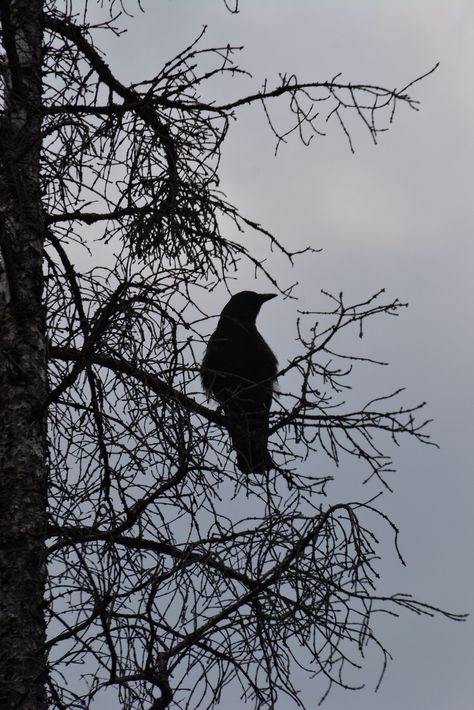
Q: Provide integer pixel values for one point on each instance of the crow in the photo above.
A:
(239, 371)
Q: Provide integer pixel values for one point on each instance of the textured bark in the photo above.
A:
(22, 365)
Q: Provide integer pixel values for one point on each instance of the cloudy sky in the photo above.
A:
(398, 215)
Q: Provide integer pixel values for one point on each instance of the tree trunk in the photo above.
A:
(22, 365)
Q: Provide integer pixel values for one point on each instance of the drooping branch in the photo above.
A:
(76, 34)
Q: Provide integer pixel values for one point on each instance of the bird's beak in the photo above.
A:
(267, 296)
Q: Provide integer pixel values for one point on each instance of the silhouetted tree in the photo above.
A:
(170, 573)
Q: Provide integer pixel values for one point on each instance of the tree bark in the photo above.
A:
(23, 383)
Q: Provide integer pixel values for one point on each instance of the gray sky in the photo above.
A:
(398, 215)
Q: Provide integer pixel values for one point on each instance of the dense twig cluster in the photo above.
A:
(159, 586)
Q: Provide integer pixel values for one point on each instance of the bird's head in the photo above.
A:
(244, 306)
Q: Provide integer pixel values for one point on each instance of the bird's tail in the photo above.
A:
(249, 434)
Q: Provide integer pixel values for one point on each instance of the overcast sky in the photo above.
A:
(399, 215)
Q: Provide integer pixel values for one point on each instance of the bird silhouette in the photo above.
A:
(239, 371)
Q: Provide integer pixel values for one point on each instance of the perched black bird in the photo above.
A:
(239, 371)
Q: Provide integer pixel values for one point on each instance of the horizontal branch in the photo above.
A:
(141, 101)
(388, 421)
(154, 383)
(93, 217)
(70, 535)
